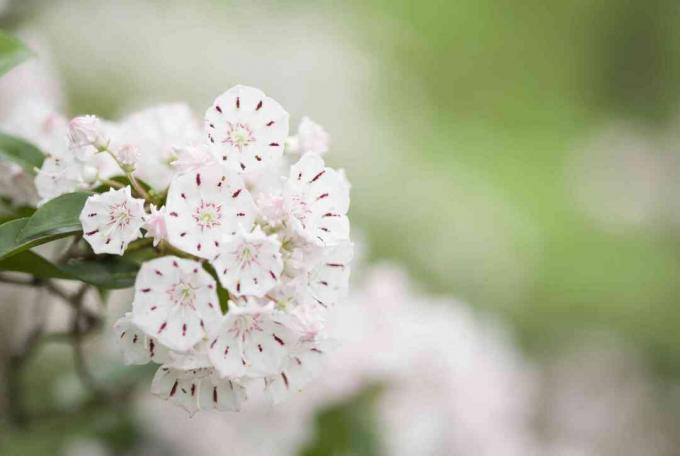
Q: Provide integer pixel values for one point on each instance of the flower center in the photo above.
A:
(243, 325)
(300, 208)
(120, 215)
(239, 135)
(208, 215)
(182, 293)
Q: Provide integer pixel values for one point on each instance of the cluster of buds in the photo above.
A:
(237, 208)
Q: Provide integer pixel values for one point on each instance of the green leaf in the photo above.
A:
(12, 52)
(57, 218)
(20, 152)
(34, 264)
(107, 274)
(9, 231)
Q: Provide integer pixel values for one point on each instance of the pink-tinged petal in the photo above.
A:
(137, 347)
(328, 278)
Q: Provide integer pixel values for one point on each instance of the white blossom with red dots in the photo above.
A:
(249, 263)
(205, 206)
(246, 129)
(175, 302)
(112, 220)
(317, 200)
(248, 250)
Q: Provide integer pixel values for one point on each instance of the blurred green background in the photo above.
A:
(486, 141)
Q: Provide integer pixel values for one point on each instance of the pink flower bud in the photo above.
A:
(87, 131)
(312, 137)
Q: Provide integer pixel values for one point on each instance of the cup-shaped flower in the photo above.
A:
(250, 343)
(249, 263)
(158, 132)
(204, 206)
(137, 347)
(112, 220)
(175, 302)
(317, 200)
(303, 364)
(327, 280)
(198, 389)
(246, 128)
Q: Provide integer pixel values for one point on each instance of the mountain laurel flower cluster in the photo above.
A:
(247, 232)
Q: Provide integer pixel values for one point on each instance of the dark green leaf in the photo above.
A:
(9, 231)
(34, 264)
(222, 294)
(56, 218)
(109, 273)
(12, 52)
(20, 152)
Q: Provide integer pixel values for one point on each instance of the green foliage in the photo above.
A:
(106, 274)
(32, 263)
(59, 217)
(20, 152)
(347, 428)
(12, 52)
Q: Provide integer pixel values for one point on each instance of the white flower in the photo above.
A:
(192, 158)
(156, 225)
(250, 343)
(249, 263)
(175, 302)
(328, 277)
(312, 137)
(112, 220)
(204, 206)
(197, 389)
(157, 132)
(16, 184)
(246, 128)
(138, 348)
(85, 131)
(59, 175)
(317, 201)
(303, 365)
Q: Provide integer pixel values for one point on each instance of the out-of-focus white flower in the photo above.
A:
(271, 208)
(87, 131)
(246, 129)
(312, 137)
(158, 132)
(204, 206)
(198, 389)
(59, 175)
(250, 343)
(112, 220)
(317, 201)
(175, 302)
(156, 224)
(249, 263)
(16, 184)
(138, 348)
(192, 158)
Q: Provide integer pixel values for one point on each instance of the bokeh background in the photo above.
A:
(520, 157)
